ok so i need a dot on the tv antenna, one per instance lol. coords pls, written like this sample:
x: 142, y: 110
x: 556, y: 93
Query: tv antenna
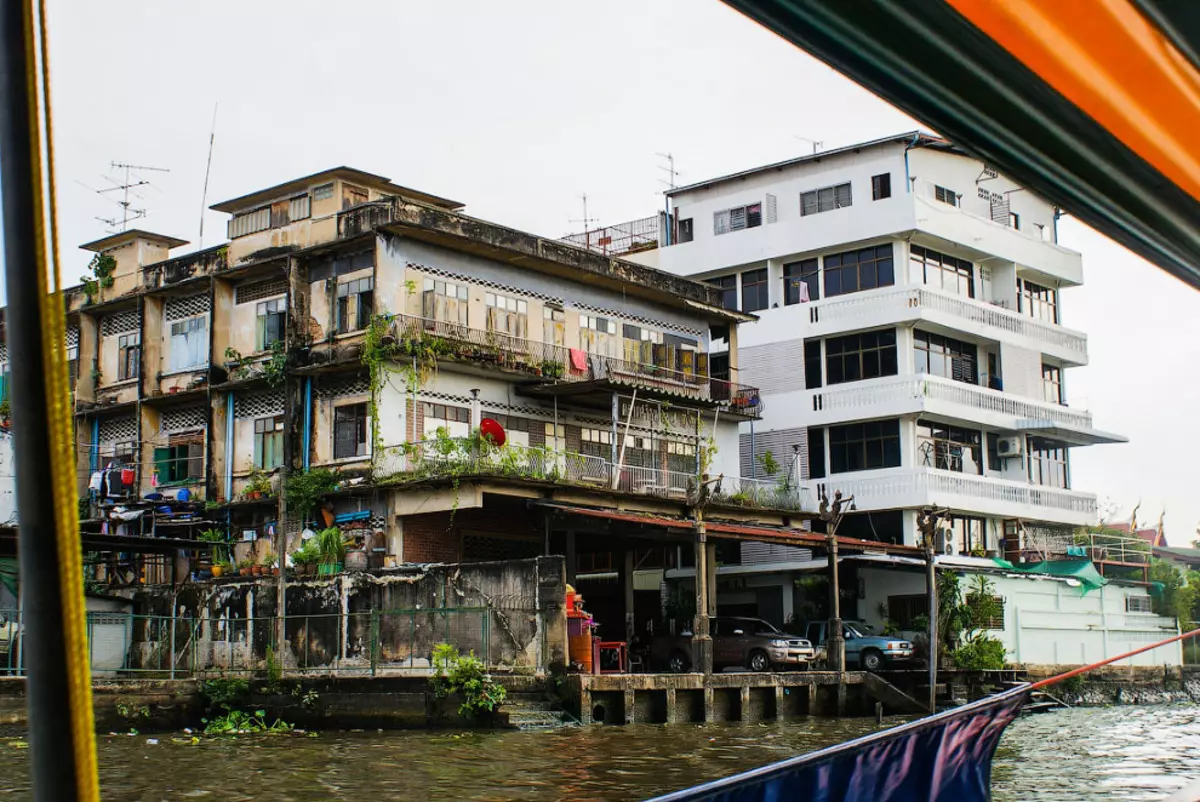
x: 587, y: 222
x: 669, y: 169
x: 212, y: 137
x: 126, y: 188
x: 816, y: 143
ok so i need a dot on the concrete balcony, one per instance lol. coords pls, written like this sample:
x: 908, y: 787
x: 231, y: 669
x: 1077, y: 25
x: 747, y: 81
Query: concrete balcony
x: 877, y: 308
x: 903, y: 488
x: 934, y: 395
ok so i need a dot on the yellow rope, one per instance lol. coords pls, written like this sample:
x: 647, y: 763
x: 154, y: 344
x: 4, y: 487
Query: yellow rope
x: 54, y: 369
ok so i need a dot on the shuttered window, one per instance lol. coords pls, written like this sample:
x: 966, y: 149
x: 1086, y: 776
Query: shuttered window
x: 737, y: 218
x: 825, y: 199
x: 249, y: 222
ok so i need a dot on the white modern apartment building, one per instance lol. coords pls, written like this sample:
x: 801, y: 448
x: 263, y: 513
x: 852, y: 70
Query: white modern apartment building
x: 910, y: 347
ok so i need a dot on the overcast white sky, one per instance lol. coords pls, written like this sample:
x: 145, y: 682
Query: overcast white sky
x: 516, y: 108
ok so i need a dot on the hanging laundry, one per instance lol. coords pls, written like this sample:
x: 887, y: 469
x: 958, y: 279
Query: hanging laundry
x: 804, y: 292
x: 578, y: 360
x: 94, y: 480
x: 127, y: 476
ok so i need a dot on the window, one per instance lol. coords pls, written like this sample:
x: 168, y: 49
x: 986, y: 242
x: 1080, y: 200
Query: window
x: 681, y: 457
x: 455, y: 420
x: 686, y: 232
x: 965, y: 535
x: 268, y: 442
x: 942, y: 272
x: 864, y: 269
x: 182, y: 460
x: 945, y: 195
x: 754, y: 290
x: 860, y: 356
x: 1048, y: 463
x: 1052, y: 387
x: 1038, y: 302
x: 737, y: 218
x: 729, y: 293
x: 594, y: 332
x: 946, y: 357
x: 595, y: 442
x: 246, y: 223
x: 864, y: 446
x: 881, y: 186
x: 507, y: 315
x: 1138, y: 604
x: 271, y: 315
x: 323, y: 192
x: 638, y: 344
x: 129, y: 353
x: 949, y: 448
x: 801, y: 282
x: 993, y: 453
x: 353, y: 196
x: 903, y: 611
x: 554, y: 324
x: 299, y: 208
x: 816, y: 452
x: 825, y: 199
x: 189, y: 343
x: 1014, y: 220
x: 350, y: 431
x: 812, y: 364
x: 355, y: 302
x: 444, y: 301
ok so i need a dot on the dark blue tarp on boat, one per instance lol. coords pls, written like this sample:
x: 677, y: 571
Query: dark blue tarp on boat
x: 942, y: 758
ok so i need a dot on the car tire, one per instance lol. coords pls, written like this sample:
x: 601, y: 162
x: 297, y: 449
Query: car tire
x: 678, y: 663
x: 758, y: 661
x: 870, y: 660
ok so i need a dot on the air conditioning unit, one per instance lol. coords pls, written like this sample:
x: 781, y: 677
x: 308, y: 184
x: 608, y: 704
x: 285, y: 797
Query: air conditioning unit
x: 944, y: 541
x: 1010, y: 446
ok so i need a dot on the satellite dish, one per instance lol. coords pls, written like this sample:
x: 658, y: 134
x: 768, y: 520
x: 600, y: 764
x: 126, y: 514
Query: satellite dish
x: 493, y: 431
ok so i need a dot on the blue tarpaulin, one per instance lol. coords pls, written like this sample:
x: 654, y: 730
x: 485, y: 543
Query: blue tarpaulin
x: 941, y: 758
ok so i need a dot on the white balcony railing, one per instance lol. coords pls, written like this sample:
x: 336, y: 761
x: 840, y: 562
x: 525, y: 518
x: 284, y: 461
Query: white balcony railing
x: 915, y: 488
x: 901, y: 394
x: 909, y: 302
x: 455, y: 457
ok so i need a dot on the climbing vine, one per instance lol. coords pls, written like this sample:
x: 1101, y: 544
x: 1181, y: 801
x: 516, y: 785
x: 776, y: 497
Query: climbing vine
x: 275, y: 368
x: 102, y: 268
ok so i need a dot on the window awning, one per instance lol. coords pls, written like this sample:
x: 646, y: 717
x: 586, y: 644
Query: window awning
x: 1071, y: 435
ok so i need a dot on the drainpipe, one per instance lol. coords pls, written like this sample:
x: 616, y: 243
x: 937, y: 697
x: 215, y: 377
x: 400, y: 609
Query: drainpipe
x: 907, y: 148
x: 307, y: 423
x: 476, y: 410
x: 94, y: 462
x: 1057, y: 214
x: 753, y: 463
x: 229, y: 447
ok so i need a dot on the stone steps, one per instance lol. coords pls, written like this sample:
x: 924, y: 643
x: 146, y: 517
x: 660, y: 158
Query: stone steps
x: 534, y: 713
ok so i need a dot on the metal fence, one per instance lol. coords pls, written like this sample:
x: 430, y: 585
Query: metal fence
x: 122, y: 645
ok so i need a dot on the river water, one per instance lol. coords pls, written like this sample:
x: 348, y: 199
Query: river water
x: 1118, y: 753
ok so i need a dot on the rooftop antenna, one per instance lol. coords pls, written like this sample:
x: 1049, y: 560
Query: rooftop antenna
x: 212, y: 136
x: 669, y: 169
x: 131, y: 182
x: 587, y: 221
x: 816, y: 143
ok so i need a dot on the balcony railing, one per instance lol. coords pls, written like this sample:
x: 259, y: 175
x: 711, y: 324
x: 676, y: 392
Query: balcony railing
x: 924, y: 388
x: 615, y: 240
x: 556, y: 363
x: 456, y: 457
x: 910, y: 301
x: 908, y: 488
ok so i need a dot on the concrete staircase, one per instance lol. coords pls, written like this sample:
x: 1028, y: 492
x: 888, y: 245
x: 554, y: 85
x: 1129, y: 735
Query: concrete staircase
x: 533, y: 711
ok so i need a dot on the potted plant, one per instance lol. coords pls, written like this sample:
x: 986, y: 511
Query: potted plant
x: 258, y: 486
x: 331, y: 551
x: 269, y: 565
x: 305, y: 557
x: 246, y: 567
x: 223, y: 568
x: 218, y: 568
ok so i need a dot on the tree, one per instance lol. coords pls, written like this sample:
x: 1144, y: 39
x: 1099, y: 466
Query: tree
x: 1180, y: 594
x: 963, y: 621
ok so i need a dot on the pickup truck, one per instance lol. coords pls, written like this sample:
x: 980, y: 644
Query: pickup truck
x: 745, y: 642
x: 867, y: 652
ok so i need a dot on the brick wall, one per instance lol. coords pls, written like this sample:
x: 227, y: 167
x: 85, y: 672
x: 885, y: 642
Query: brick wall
x: 438, y: 536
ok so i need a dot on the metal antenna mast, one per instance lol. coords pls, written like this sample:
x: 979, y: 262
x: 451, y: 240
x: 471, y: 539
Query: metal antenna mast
x: 587, y: 222
x: 212, y: 137
x: 128, y: 213
x: 816, y: 144
x: 669, y: 169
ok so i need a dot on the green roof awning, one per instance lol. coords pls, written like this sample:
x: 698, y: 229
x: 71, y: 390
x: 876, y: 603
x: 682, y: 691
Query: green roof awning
x: 1081, y: 570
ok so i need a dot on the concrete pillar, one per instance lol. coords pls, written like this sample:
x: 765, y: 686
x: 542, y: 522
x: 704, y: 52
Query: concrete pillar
x: 709, y: 712
x: 835, y: 644
x: 571, y: 561
x: 813, y: 701
x: 628, y: 577
x: 779, y: 702
x: 672, y: 711
x: 841, y: 696
x: 629, y: 706
x: 745, y: 704
x: 585, y: 704
x: 706, y: 603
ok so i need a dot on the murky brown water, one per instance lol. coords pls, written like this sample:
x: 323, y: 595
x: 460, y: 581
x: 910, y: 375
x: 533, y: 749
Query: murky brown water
x: 1123, y: 753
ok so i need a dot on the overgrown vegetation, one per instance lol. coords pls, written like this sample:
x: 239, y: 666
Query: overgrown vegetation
x: 963, y: 622
x: 302, y: 491
x: 1177, y: 593
x: 274, y: 370
x: 466, y: 676
x: 101, y: 268
x: 224, y: 700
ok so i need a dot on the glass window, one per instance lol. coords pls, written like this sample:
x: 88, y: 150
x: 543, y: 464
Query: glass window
x: 182, y: 460
x: 737, y: 218
x: 945, y: 356
x: 801, y: 281
x: 1052, y: 383
x: 881, y: 186
x: 355, y: 303
x: 1038, y: 302
x: 816, y: 452
x: 864, y: 446
x: 129, y: 355
x: 685, y: 230
x: 271, y: 316
x: 1048, y: 463
x: 507, y: 315
x: 966, y: 534
x: 860, y: 356
x: 945, y: 195
x: 350, y: 428
x: 249, y: 222
x: 323, y: 192
x: 268, y: 442
x: 949, y: 448
x: 942, y: 272
x: 825, y: 199
x: 456, y: 421
x: 189, y: 343
x: 862, y: 269
x: 444, y: 301
x: 754, y: 290
x: 729, y: 293
x: 812, y: 364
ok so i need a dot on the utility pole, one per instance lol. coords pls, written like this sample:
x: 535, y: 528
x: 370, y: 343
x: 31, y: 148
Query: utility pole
x: 835, y: 642
x: 927, y: 524
x: 672, y: 173
x: 706, y: 602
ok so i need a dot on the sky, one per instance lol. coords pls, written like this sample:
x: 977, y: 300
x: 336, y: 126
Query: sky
x: 517, y: 109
